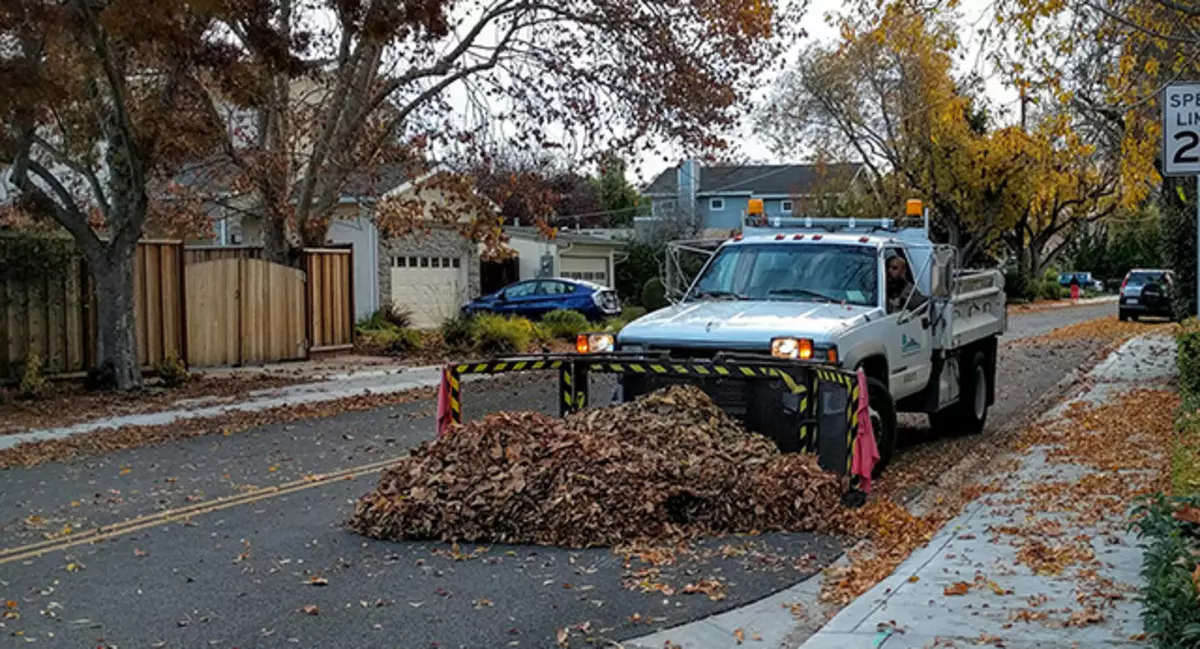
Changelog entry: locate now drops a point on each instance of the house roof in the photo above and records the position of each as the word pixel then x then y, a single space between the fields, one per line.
pixel 383 179
pixel 756 179
pixel 565 236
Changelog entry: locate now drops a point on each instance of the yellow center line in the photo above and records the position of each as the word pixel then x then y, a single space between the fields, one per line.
pixel 20 553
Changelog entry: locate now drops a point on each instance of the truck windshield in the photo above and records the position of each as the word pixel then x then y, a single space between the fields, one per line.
pixel 799 271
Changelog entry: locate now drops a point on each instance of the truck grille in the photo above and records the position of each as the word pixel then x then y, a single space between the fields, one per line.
pixel 684 353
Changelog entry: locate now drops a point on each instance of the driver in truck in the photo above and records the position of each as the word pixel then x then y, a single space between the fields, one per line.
pixel 900 289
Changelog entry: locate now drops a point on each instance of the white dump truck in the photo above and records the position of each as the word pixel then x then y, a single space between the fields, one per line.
pixel 819 290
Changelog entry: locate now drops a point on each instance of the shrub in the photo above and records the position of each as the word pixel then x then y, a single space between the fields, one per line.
pixel 456 333
pixel 172 371
pixel 542 334
pixel 33 380
pixel 654 294
pixel 1016 284
pixel 397 315
pixel 496 334
pixel 1187 342
pixel 1170 615
pixel 392 340
pixel 1047 290
pixel 566 325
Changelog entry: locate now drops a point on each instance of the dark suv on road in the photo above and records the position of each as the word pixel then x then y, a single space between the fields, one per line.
pixel 1146 293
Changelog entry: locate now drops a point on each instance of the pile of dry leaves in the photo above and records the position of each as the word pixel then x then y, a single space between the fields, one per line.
pixel 670 465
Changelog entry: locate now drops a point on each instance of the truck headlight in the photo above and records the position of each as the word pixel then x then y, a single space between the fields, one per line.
pixel 594 343
pixel 803 349
pixel 792 348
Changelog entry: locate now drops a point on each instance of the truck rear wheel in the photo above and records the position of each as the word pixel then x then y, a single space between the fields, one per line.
pixel 883 422
pixel 969 415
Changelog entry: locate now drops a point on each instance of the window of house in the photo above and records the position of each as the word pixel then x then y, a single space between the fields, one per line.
pixel 399 262
pixel 665 208
pixel 716 204
pixel 445 262
pixel 412 262
pixel 457 262
pixel 424 262
pixel 786 207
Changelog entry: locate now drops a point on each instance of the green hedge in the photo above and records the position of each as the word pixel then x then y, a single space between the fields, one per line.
pixel 1171 614
pixel 566 325
pixel 1188 357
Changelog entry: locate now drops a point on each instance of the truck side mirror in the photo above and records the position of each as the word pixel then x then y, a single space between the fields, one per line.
pixel 942 272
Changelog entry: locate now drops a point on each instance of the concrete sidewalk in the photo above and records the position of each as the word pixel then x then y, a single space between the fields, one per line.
pixel 913 598
pixel 1007 604
pixel 330 388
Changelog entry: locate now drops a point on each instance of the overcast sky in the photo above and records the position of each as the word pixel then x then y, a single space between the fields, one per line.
pixel 975 14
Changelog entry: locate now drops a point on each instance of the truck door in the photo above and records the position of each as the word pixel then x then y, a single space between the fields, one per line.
pixel 910 339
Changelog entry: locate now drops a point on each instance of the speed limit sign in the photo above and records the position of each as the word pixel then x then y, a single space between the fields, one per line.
pixel 1181 144
pixel 1181 130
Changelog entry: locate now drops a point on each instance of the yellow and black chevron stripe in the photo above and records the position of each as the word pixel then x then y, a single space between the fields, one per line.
pixel 495 367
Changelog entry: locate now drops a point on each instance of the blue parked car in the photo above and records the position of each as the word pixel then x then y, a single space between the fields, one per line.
pixel 534 298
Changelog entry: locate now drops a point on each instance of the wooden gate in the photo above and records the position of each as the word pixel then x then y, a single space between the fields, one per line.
pixel 243 310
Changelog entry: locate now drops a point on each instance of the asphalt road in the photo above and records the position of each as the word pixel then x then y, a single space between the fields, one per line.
pixel 240 577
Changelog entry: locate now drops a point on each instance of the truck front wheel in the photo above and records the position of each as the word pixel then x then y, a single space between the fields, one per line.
pixel 969 415
pixel 883 422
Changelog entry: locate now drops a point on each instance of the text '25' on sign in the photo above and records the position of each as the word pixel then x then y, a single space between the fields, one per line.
pixel 1181 130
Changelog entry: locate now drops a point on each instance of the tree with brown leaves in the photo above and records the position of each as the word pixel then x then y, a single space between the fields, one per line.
pixel 386 81
pixel 102 104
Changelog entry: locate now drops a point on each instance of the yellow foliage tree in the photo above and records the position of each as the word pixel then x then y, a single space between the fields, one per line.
pixel 886 96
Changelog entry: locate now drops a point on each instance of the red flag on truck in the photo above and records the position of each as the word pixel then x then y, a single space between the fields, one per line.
pixel 866 453
pixel 444 416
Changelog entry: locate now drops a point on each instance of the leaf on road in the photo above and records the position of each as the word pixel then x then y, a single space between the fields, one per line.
pixel 317 580
pixel 563 638
pixel 245 554
pixel 957 588
pixel 483 603
pixel 140 553
pixel 10 603
pixel 309 609
pixel 711 587
pixel 740 635
pixel 997 589
pixel 75 567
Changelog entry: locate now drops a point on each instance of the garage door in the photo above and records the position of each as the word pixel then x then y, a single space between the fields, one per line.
pixel 593 269
pixel 432 288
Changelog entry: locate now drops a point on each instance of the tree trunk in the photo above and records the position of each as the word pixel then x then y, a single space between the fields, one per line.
pixel 276 248
pixel 117 363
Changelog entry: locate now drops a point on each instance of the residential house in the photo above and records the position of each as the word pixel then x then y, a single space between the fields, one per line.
pixel 430 274
pixel 571 254
pixel 715 199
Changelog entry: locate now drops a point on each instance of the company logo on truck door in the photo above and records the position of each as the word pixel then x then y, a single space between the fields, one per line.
pixel 909 346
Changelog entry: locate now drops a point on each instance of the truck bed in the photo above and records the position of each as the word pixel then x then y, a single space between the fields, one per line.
pixel 974 311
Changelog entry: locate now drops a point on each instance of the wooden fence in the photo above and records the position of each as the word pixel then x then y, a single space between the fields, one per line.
pixel 209 306
pixel 54 316
pixel 331 298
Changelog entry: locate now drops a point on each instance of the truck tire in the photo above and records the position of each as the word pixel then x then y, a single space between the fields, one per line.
pixel 883 422
pixel 969 415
